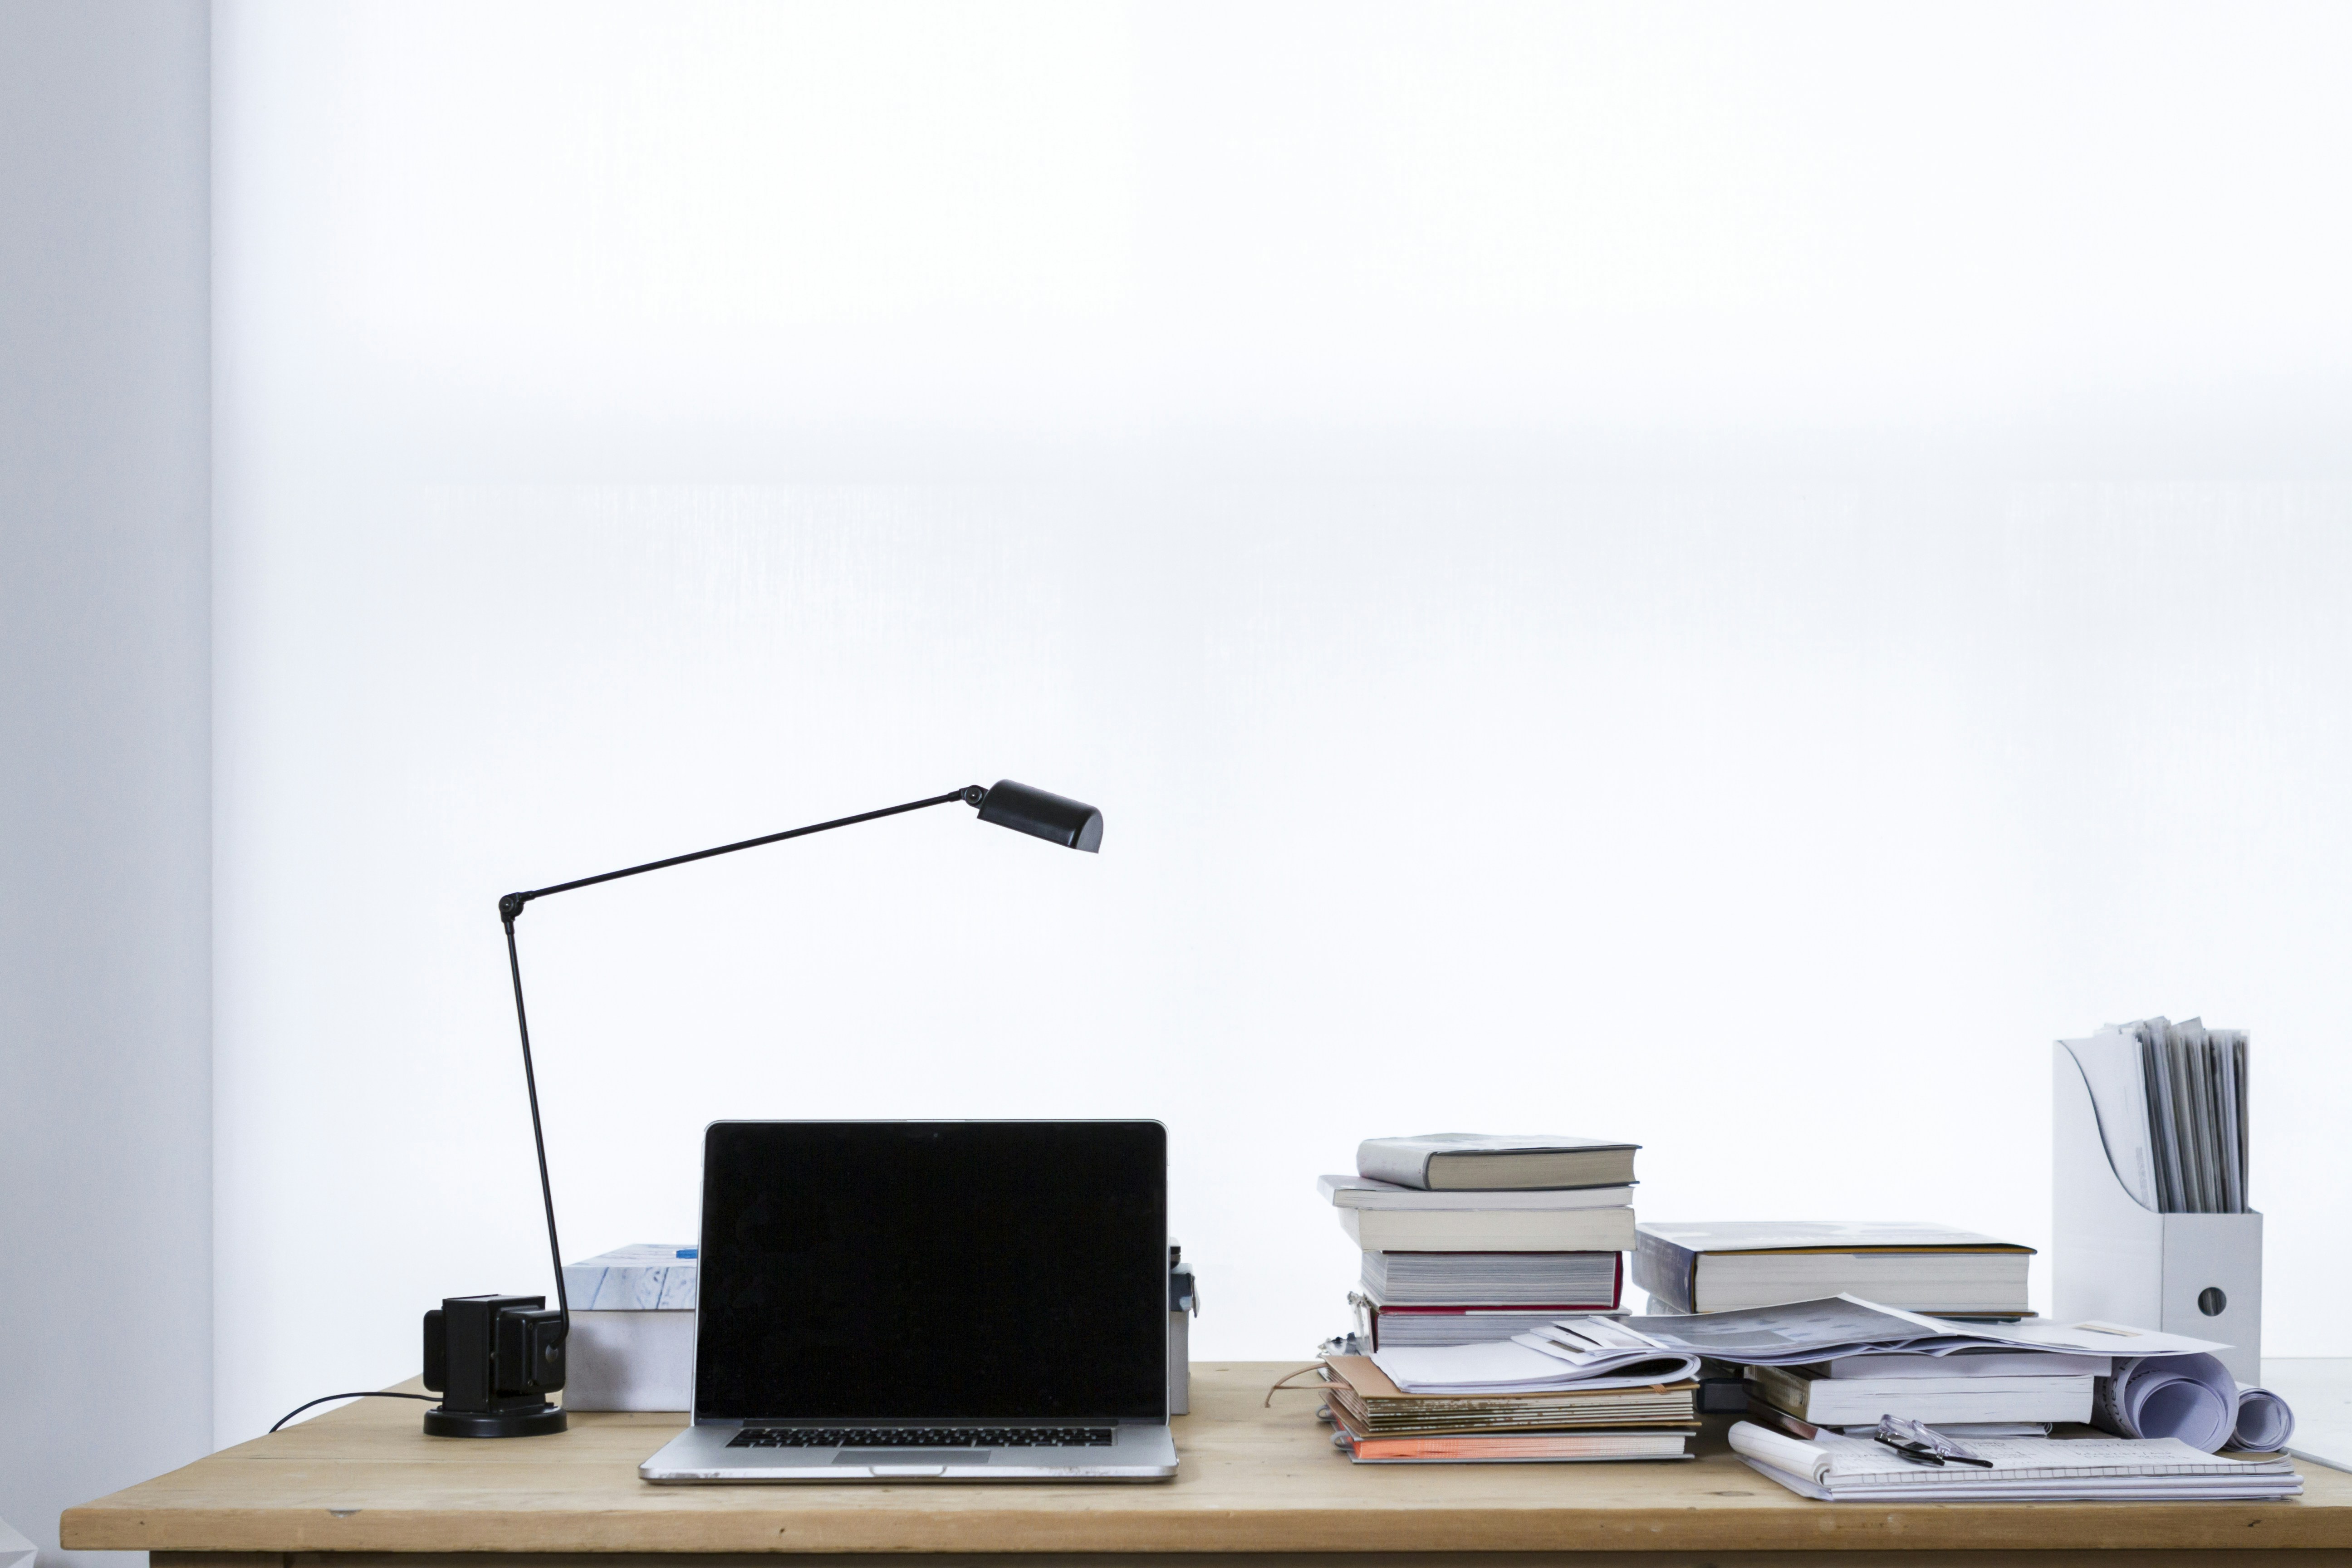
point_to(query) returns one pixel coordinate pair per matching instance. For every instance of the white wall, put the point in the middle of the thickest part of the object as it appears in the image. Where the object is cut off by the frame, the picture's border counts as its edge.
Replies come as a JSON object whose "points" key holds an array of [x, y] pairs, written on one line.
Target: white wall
{"points": [[1712, 573], [105, 829]]}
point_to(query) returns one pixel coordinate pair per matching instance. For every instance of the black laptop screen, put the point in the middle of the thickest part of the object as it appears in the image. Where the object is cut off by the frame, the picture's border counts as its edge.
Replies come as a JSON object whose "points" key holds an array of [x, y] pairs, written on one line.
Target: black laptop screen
{"points": [[948, 1270]]}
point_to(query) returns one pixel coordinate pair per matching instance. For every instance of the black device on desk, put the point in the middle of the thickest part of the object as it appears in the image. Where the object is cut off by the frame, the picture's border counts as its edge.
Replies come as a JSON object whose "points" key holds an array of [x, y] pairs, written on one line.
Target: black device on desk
{"points": [[954, 1300], [494, 1360]]}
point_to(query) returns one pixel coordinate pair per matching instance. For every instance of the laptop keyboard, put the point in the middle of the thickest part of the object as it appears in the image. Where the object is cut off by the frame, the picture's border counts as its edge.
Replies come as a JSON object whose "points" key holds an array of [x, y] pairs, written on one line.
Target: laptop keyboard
{"points": [[922, 1437]]}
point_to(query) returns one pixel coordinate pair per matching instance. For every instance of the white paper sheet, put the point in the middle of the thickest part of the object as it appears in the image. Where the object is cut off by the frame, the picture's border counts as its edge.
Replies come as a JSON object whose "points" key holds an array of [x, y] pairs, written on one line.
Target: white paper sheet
{"points": [[2111, 1066]]}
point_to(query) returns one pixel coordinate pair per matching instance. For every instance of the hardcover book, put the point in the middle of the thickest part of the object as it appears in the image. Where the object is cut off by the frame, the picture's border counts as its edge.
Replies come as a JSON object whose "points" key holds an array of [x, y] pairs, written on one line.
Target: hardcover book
{"points": [[1726, 1265], [1460, 1161]]}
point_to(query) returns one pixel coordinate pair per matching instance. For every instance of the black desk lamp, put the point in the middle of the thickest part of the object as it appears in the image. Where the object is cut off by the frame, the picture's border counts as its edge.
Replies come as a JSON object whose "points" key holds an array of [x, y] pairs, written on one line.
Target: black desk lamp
{"points": [[494, 1359]]}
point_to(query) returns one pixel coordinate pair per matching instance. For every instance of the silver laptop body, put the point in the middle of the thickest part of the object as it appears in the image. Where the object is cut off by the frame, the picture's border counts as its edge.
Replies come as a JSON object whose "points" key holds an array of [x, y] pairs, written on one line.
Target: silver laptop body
{"points": [[941, 1300], [1136, 1451]]}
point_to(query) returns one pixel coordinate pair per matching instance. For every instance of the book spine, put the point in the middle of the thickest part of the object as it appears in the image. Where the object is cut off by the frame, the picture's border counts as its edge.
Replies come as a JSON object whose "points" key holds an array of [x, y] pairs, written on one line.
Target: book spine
{"points": [[1667, 1271], [1490, 1230], [1379, 1159], [1782, 1391], [1765, 1414]]}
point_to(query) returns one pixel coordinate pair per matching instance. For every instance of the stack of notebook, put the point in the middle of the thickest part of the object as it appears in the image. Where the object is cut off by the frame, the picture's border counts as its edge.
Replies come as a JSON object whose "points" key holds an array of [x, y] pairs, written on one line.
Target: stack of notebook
{"points": [[1580, 1389], [1472, 1237], [1837, 1468]]}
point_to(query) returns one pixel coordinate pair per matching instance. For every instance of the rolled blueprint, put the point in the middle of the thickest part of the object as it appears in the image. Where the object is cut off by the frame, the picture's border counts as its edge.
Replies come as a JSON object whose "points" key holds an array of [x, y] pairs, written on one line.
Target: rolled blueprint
{"points": [[2264, 1422], [2191, 1397]]}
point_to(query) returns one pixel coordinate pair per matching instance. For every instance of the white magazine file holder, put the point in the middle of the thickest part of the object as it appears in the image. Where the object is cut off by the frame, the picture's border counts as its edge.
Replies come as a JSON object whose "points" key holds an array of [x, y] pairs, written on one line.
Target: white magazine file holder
{"points": [[2115, 1260]]}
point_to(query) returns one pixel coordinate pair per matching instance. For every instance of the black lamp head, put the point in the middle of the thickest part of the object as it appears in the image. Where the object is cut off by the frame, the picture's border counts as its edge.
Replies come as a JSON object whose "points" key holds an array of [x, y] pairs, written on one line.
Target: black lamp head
{"points": [[1072, 823]]}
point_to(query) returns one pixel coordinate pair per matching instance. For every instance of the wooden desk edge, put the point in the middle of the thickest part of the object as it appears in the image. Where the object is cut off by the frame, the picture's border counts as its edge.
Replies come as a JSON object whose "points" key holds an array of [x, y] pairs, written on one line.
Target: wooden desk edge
{"points": [[1259, 1484], [1857, 1557]]}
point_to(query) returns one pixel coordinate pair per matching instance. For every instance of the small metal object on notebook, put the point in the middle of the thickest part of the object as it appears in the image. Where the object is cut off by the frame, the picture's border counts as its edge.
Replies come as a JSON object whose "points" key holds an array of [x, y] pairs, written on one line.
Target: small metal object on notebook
{"points": [[1923, 1445]]}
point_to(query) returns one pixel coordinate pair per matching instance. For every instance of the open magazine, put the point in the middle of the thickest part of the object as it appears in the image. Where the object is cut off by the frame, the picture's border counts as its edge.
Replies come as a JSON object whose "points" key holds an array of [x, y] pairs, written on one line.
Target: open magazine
{"points": [[1574, 1352], [1578, 1353], [1805, 1332]]}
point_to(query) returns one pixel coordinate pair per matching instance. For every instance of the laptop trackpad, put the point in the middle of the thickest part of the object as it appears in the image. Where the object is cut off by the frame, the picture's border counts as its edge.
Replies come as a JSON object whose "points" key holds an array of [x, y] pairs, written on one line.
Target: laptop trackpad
{"points": [[878, 1457]]}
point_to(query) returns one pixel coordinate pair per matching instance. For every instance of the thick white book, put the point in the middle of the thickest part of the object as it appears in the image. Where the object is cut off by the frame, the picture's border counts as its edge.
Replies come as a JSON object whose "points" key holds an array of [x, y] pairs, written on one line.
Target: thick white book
{"points": [[1455, 1162], [1489, 1230], [1841, 1402], [1591, 1280], [1364, 1193]]}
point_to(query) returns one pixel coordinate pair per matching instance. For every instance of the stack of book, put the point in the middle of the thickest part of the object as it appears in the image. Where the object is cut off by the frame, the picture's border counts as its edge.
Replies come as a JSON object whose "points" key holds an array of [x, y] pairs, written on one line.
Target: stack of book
{"points": [[1474, 1236], [1821, 1372], [1725, 1266]]}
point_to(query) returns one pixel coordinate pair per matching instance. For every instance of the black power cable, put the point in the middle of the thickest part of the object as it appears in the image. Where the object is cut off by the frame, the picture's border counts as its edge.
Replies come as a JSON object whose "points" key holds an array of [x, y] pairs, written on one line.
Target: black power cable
{"points": [[358, 1394]]}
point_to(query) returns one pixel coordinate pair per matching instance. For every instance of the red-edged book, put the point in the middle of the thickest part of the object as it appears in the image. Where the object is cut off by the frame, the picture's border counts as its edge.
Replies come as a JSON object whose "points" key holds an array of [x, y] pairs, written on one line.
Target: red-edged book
{"points": [[1397, 1324]]}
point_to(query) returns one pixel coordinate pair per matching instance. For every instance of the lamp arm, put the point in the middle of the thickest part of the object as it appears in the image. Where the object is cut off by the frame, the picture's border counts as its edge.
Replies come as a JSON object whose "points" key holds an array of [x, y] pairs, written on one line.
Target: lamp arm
{"points": [[511, 905]]}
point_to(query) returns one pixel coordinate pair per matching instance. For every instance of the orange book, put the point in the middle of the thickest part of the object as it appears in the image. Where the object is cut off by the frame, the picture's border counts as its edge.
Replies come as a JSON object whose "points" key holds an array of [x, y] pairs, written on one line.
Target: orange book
{"points": [[1522, 1446]]}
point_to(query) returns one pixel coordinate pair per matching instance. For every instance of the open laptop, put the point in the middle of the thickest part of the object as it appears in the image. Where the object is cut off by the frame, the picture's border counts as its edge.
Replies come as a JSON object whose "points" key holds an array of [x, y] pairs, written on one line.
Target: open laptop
{"points": [[929, 1300]]}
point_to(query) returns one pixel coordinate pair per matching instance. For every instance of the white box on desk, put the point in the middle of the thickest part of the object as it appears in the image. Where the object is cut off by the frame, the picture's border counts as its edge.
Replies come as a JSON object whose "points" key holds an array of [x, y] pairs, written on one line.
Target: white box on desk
{"points": [[630, 1361], [2115, 1260], [632, 1345]]}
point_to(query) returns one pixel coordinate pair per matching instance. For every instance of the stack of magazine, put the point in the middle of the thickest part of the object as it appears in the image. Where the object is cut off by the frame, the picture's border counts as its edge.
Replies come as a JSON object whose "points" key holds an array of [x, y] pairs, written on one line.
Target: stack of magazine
{"points": [[1584, 1389], [2171, 1102]]}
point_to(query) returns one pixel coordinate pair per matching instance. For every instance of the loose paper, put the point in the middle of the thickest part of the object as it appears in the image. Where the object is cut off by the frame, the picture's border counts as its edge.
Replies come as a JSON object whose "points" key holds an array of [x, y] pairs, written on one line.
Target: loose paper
{"points": [[1835, 1326]]}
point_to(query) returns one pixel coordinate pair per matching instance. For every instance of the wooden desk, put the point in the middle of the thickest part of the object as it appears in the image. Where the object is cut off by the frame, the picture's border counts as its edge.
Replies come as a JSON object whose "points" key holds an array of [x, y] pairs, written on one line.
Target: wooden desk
{"points": [[364, 1484]]}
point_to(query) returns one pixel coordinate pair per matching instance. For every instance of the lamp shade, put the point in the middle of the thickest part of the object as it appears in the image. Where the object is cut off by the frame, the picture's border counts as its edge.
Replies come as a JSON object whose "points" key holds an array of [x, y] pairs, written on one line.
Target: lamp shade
{"points": [[1072, 823]]}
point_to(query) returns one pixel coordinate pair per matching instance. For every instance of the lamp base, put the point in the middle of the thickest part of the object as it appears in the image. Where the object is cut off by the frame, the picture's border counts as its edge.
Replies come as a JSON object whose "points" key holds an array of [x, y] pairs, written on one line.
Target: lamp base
{"points": [[442, 1422]]}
